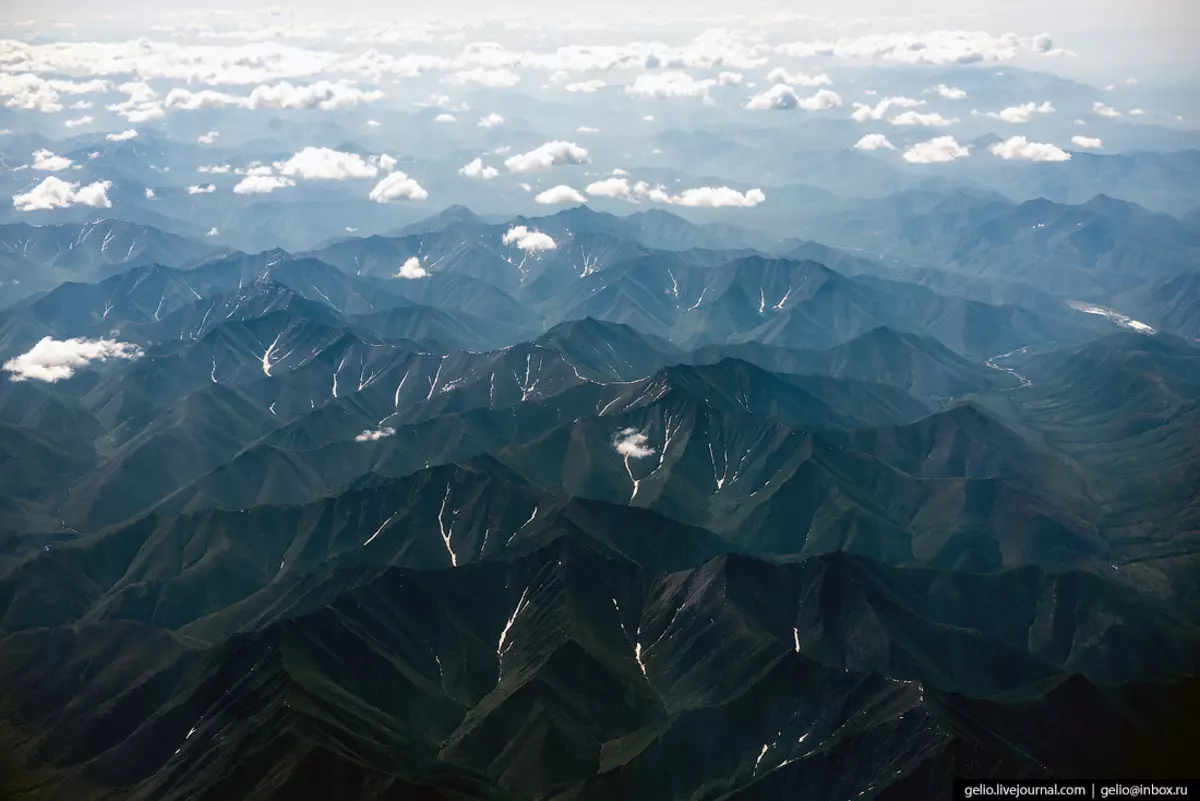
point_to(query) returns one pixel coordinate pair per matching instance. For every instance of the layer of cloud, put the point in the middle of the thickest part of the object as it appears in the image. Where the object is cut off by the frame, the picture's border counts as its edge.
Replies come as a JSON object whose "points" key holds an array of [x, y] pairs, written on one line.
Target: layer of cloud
{"points": [[1087, 142], [864, 112], [58, 359], [664, 85], [556, 195], [496, 79], [782, 96], [397, 186], [927, 120], [1018, 147], [781, 75], [531, 241], [55, 193], [938, 150], [874, 142], [543, 157], [932, 48]]}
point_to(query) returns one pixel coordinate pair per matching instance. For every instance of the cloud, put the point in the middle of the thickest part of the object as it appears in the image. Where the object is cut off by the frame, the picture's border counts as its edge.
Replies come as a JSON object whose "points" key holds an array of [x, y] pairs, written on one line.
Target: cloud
{"points": [[374, 435], [874, 142], [1136, 112], [1021, 113], [729, 78], [496, 79], [323, 95], [1018, 147], [397, 186], [476, 169], [949, 92], [490, 120], [55, 193], [411, 269], [387, 163], [663, 85], [632, 444], [445, 118], [1104, 110], [586, 129], [930, 120], [373, 123], [47, 161], [261, 184], [864, 112], [938, 150], [30, 92], [559, 194], [123, 136], [781, 75], [530, 241], [616, 188], [325, 164], [205, 189], [208, 138], [781, 96], [57, 359], [1087, 142], [149, 193], [930, 48], [213, 169], [718, 197], [213, 231], [78, 121], [551, 154], [586, 87]]}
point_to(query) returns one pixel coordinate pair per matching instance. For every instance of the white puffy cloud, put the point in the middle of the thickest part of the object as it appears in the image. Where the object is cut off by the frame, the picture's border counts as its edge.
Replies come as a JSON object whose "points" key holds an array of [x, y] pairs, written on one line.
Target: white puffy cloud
{"points": [[202, 189], [142, 104], [445, 117], [261, 184], [78, 121], [123, 136], [326, 164], [1087, 142], [490, 120], [55, 193], [616, 188], [187, 100], [949, 92], [57, 359], [930, 120], [729, 78], [213, 231], [324, 95], [932, 48], [1021, 113], [1018, 147], [782, 96], [149, 193], [559, 194], [530, 241], [632, 444], [208, 138], [662, 85], [213, 169], [874, 142], [376, 434], [397, 186], [373, 123], [938, 150], [781, 75], [1104, 110], [864, 112], [32, 93], [496, 79], [718, 197], [476, 169], [1136, 112], [411, 269], [80, 105], [551, 154], [587, 129], [586, 87], [387, 163], [47, 161]]}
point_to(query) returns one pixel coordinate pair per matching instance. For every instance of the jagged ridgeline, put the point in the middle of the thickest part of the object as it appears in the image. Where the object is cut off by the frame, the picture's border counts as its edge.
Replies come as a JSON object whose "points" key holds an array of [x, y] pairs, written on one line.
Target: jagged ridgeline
{"points": [[663, 512]]}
